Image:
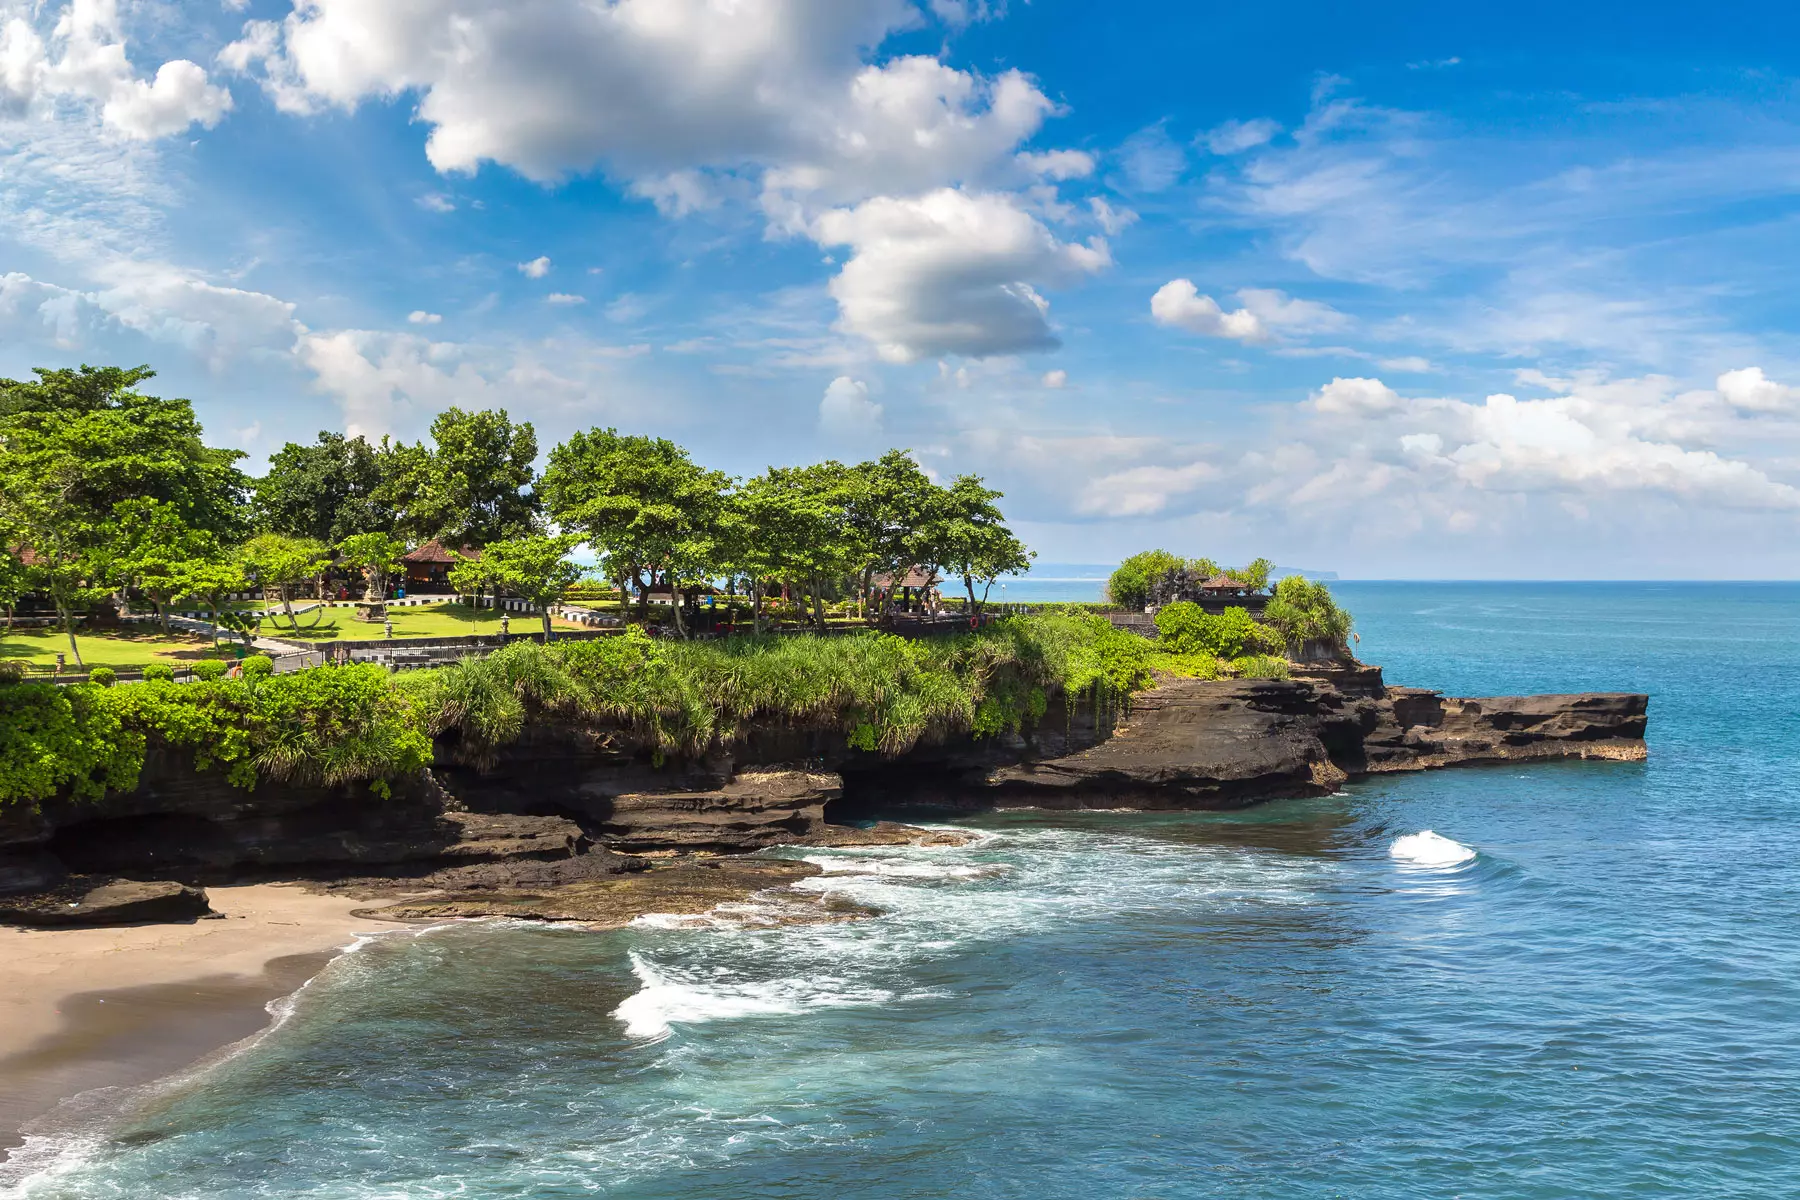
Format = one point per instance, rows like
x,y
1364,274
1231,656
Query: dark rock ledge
x,y
574,822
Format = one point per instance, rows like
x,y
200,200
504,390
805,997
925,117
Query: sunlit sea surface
x,y
1586,983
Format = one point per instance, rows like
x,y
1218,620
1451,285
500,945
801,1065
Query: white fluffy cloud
x,y
537,268
1749,390
950,272
1595,439
1179,305
1266,313
648,87
907,161
846,411
84,59
1355,398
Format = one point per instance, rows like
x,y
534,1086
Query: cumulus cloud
x,y
846,411
648,87
1595,439
1235,137
1266,312
1355,398
537,268
84,59
950,272
689,102
1178,304
178,97
421,317
1749,390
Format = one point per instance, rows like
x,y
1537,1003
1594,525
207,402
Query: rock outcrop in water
x,y
576,806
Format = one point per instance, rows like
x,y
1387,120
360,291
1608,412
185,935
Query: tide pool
x,y
1582,983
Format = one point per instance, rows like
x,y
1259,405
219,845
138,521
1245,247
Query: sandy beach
x,y
87,1008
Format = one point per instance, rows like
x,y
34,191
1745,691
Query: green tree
x,y
377,556
281,564
14,582
535,569
76,443
151,550
643,503
1186,628
892,507
795,526
326,491
971,538
1304,613
1256,575
210,580
1130,584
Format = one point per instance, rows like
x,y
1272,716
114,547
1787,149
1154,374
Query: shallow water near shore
x,y
1307,998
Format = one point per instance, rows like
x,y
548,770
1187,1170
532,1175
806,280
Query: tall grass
x,y
883,693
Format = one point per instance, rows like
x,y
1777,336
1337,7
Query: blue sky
x,y
1430,291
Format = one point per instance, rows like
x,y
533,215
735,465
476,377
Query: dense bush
x,y
1186,628
257,666
1303,611
63,739
103,676
208,670
162,671
330,726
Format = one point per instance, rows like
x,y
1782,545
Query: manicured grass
x,y
119,650
429,620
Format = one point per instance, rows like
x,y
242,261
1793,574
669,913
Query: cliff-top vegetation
x,y
360,724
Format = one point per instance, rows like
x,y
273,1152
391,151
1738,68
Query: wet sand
x,y
89,1008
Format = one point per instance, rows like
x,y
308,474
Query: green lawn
x,y
118,650
429,620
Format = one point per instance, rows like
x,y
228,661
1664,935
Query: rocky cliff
x,y
574,802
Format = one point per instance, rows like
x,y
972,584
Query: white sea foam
x,y
666,1000
903,867
1429,850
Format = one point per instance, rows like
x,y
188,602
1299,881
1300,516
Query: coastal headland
x,y
188,902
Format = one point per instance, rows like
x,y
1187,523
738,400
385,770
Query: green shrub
x,y
1261,666
1303,611
257,666
208,670
13,670
1186,628
64,739
103,676
159,671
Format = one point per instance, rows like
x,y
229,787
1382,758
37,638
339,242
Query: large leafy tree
x,y
280,564
535,569
890,508
970,538
643,503
470,487
74,443
152,550
794,524
327,491
1306,616
377,556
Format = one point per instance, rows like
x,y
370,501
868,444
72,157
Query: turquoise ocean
x,y
1600,996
